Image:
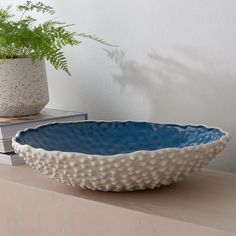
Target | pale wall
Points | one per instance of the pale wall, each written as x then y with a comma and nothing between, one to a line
175,63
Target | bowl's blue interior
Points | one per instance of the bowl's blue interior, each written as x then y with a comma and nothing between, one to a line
109,138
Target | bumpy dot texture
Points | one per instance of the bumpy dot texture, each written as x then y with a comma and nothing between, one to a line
110,138
149,164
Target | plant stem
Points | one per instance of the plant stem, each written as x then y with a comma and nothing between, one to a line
22,15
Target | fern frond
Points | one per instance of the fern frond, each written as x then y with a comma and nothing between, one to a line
5,14
28,38
39,7
95,38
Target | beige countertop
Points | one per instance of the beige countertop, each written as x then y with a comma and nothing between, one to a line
203,204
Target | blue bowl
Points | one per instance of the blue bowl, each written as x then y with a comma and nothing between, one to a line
119,155
111,138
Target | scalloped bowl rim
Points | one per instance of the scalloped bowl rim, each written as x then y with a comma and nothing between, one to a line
16,144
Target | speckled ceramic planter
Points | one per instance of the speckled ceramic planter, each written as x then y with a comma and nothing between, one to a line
23,86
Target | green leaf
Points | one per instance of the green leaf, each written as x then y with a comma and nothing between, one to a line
29,38
39,7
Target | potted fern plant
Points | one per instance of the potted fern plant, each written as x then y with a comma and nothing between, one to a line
25,44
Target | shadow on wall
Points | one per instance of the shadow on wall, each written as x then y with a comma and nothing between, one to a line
194,91
177,92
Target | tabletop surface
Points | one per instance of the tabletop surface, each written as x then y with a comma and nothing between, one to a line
207,198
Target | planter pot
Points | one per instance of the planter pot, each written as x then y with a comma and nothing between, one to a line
23,87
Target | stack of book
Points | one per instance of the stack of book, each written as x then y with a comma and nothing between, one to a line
10,125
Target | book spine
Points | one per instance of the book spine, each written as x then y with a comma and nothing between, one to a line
1,135
9,131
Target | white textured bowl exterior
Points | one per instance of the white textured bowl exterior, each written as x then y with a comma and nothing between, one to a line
122,172
23,86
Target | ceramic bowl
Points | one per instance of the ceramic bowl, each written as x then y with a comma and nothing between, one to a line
118,155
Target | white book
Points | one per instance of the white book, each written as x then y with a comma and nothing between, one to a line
10,125
11,159
5,145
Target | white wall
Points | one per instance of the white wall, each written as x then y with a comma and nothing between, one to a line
175,63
